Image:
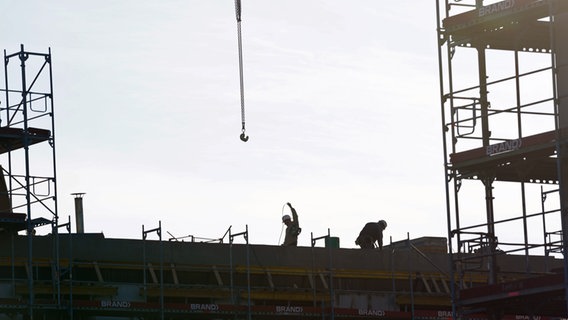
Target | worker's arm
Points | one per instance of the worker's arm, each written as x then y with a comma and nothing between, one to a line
294,214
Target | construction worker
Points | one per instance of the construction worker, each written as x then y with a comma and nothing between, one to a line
292,227
372,232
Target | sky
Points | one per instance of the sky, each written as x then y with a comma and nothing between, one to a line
341,101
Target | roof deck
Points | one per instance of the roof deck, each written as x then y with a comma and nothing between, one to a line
122,277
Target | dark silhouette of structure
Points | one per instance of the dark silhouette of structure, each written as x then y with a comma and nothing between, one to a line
503,89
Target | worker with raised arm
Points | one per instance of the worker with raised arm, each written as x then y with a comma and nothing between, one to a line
292,227
372,232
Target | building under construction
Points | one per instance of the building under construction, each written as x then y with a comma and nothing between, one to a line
504,101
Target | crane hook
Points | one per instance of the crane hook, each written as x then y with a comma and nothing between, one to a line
244,137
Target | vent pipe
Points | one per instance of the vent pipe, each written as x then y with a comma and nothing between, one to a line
79,212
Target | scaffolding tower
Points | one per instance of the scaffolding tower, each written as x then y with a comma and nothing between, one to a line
28,190
503,86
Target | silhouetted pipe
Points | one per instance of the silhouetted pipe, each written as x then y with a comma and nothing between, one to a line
79,212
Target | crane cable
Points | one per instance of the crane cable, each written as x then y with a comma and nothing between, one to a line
283,225
243,136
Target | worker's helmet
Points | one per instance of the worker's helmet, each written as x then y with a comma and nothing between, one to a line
286,217
383,224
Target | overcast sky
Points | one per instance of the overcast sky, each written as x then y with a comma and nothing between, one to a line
342,111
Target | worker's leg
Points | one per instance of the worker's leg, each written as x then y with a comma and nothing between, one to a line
367,245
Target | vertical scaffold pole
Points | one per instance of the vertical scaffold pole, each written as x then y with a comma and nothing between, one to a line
158,230
559,23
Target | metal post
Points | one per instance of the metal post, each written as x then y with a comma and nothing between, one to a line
56,234
331,293
161,272
56,275
13,266
145,289
447,173
23,56
70,272
393,252
547,245
231,238
313,281
54,162
144,234
488,177
559,22
231,280
410,275
248,274
313,242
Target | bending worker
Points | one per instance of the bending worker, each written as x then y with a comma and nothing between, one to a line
292,228
372,232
